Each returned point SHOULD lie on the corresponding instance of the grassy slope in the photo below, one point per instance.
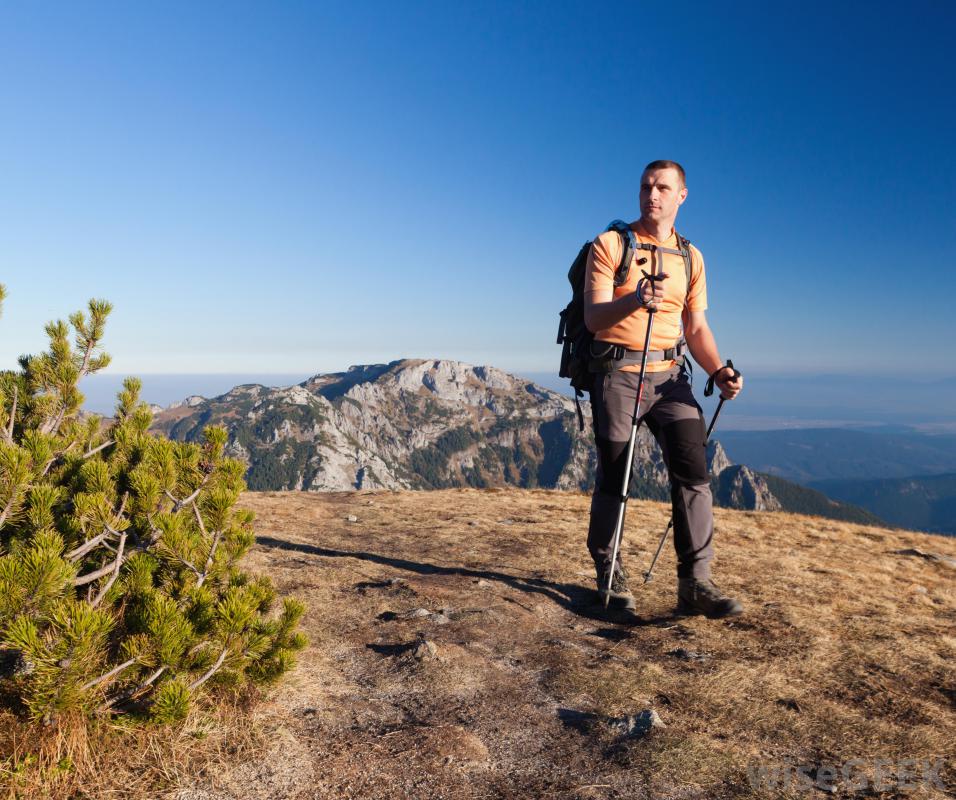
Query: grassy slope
(845, 651)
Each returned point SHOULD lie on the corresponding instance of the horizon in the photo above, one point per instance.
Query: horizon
(775, 402)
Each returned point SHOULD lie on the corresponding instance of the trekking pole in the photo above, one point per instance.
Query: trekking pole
(708, 391)
(635, 421)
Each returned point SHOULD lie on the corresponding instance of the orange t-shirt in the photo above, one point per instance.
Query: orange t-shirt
(603, 261)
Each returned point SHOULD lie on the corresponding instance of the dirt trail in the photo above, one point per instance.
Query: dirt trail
(456, 652)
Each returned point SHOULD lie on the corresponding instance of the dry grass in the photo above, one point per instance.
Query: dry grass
(845, 651)
(113, 761)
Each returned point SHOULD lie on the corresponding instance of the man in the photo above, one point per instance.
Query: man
(619, 316)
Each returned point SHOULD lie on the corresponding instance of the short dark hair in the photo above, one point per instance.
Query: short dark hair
(668, 165)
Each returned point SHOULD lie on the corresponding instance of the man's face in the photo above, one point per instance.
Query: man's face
(661, 194)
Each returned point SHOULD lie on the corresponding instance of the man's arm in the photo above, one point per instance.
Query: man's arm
(602, 312)
(703, 348)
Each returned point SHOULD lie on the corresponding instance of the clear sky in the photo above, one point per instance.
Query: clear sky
(297, 187)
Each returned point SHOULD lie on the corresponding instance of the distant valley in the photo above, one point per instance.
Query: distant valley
(902, 477)
(926, 503)
(817, 454)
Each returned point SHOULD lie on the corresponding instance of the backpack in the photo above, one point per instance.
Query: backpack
(572, 332)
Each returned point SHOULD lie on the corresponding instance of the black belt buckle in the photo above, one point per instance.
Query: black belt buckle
(618, 352)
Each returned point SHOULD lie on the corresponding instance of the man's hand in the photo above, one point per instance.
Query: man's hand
(651, 292)
(729, 381)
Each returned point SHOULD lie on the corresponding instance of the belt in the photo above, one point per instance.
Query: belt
(608, 356)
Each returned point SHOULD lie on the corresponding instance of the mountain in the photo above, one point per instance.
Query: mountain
(925, 502)
(817, 454)
(431, 424)
(410, 424)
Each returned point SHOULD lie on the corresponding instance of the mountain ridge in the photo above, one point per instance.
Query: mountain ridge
(432, 424)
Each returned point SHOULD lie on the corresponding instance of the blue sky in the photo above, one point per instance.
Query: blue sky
(297, 187)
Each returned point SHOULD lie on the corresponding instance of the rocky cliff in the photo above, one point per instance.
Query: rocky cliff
(417, 424)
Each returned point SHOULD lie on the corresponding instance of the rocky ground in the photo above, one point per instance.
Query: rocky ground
(456, 652)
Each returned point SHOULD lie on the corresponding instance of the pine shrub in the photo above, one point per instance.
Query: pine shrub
(120, 586)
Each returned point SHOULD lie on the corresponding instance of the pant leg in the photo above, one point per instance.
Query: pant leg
(677, 422)
(605, 501)
(612, 408)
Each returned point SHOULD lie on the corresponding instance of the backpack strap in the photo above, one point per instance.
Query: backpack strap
(684, 245)
(629, 246)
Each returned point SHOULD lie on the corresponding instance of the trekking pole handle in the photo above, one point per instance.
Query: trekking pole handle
(652, 277)
(709, 386)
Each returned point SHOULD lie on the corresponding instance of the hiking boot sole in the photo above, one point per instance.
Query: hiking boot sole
(618, 602)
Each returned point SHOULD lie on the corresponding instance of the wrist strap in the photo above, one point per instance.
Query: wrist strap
(709, 386)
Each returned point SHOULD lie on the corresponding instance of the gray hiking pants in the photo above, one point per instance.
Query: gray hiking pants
(677, 422)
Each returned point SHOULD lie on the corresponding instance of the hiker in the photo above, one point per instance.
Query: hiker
(618, 317)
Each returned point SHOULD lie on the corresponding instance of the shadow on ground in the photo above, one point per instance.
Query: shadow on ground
(577, 599)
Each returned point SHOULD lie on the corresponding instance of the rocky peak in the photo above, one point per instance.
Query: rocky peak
(190, 402)
(717, 458)
(428, 423)
(740, 487)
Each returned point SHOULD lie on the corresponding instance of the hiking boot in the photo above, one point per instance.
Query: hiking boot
(621, 596)
(703, 597)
